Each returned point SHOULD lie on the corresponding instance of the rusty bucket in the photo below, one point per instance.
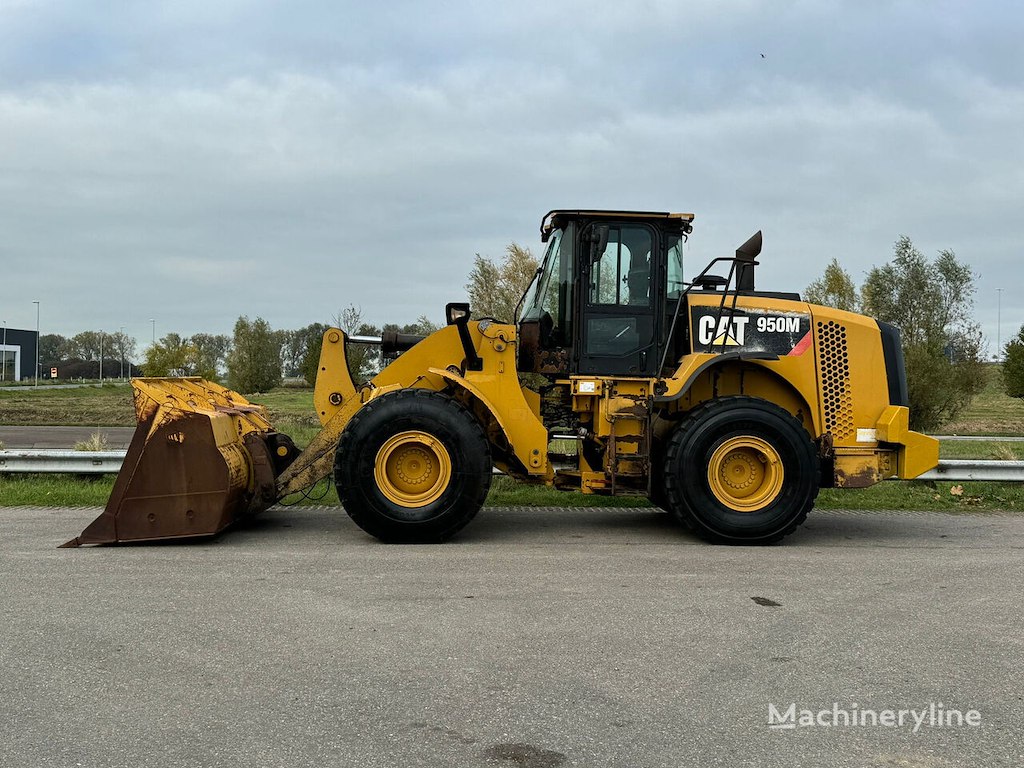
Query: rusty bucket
(202, 458)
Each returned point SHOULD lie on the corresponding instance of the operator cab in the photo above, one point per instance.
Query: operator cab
(603, 298)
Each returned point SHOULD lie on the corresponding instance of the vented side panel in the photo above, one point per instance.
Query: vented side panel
(835, 379)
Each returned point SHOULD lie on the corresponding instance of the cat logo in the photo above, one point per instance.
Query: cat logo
(729, 331)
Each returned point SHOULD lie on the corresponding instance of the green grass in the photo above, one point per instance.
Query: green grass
(106, 406)
(288, 405)
(989, 450)
(55, 490)
(930, 496)
(992, 412)
(92, 491)
(506, 492)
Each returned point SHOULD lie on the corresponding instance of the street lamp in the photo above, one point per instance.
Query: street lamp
(120, 341)
(154, 330)
(999, 323)
(37, 342)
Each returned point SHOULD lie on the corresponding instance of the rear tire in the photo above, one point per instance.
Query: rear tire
(412, 466)
(741, 470)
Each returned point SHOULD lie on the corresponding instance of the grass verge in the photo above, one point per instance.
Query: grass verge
(106, 406)
(992, 412)
(92, 491)
(55, 490)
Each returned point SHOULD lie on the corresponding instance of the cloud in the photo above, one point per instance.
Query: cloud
(197, 163)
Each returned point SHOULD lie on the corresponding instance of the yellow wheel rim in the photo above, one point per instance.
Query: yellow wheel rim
(745, 474)
(412, 469)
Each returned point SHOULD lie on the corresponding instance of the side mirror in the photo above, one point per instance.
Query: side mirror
(598, 241)
(456, 313)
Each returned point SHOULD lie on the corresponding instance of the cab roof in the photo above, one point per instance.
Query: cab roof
(673, 222)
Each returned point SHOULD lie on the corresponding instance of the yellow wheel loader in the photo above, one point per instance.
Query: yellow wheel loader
(726, 406)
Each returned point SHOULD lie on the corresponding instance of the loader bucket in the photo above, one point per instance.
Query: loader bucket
(202, 458)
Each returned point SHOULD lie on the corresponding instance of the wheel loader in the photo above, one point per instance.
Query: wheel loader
(726, 406)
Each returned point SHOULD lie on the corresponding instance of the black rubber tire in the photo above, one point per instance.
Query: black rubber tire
(444, 419)
(692, 446)
(659, 494)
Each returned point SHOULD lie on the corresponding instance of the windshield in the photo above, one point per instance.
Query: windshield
(549, 298)
(542, 295)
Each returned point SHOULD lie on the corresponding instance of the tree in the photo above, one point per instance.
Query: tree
(122, 348)
(81, 354)
(254, 363)
(173, 355)
(931, 304)
(495, 289)
(423, 326)
(364, 361)
(1013, 365)
(834, 289)
(304, 350)
(176, 355)
(85, 346)
(211, 353)
(53, 348)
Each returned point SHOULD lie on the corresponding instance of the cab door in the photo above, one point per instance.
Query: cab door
(618, 308)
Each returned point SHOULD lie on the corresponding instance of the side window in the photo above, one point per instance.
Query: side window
(622, 274)
(675, 266)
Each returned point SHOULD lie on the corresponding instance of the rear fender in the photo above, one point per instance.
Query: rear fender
(702, 377)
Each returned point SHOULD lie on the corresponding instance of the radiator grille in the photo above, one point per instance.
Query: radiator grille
(835, 379)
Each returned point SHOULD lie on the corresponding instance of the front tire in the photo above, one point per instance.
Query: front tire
(412, 466)
(741, 470)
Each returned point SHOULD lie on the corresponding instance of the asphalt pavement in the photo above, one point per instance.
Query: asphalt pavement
(538, 638)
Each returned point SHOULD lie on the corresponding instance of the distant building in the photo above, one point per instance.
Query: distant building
(17, 354)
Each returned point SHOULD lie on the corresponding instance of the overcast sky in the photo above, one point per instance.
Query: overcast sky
(195, 161)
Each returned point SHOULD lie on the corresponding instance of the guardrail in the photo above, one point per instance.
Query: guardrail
(969, 469)
(72, 462)
(981, 438)
(109, 462)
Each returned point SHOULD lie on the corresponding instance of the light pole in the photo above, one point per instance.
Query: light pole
(153, 321)
(999, 323)
(101, 358)
(120, 341)
(3, 377)
(37, 342)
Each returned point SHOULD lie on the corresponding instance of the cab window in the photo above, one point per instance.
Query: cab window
(675, 283)
(622, 273)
